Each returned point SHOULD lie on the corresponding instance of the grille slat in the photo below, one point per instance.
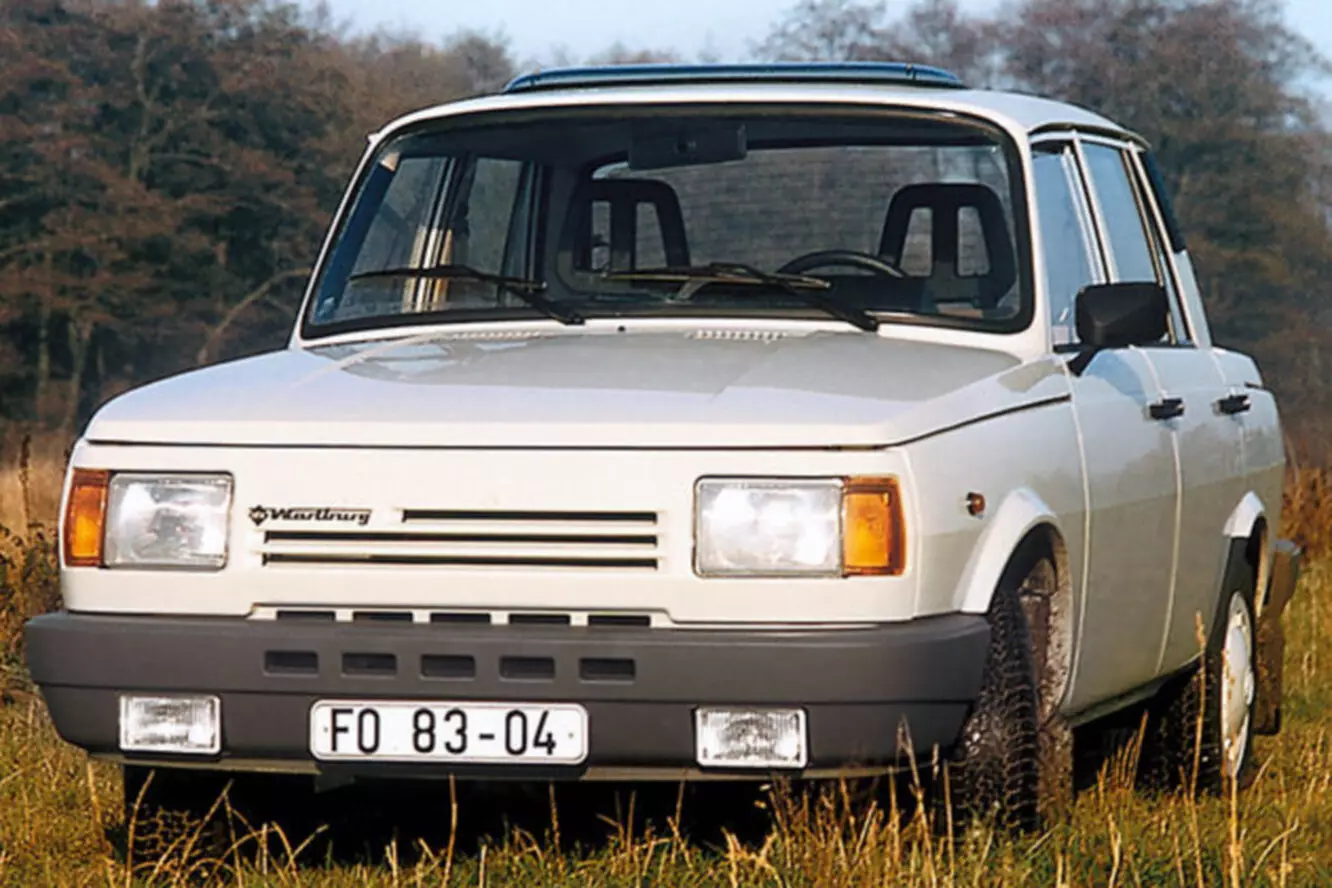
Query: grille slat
(406, 560)
(452, 516)
(575, 539)
(446, 538)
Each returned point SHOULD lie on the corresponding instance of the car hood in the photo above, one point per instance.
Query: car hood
(696, 388)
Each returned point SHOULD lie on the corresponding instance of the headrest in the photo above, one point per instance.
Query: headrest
(946, 200)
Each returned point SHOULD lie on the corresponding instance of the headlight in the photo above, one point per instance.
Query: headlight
(810, 527)
(167, 521)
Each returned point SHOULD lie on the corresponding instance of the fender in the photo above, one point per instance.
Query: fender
(1245, 516)
(1020, 512)
(1240, 526)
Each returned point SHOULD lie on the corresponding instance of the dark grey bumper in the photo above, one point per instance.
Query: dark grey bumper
(640, 686)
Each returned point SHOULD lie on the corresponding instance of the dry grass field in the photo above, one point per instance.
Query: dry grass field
(61, 823)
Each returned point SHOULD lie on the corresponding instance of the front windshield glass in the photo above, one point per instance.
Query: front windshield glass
(776, 213)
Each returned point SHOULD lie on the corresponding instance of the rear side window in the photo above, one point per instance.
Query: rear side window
(1134, 240)
(1122, 215)
(1064, 234)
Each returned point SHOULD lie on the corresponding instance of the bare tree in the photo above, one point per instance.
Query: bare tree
(826, 30)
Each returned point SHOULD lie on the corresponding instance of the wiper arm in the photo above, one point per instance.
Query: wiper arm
(714, 272)
(529, 291)
(806, 288)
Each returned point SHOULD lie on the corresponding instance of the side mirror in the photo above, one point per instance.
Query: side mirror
(1117, 316)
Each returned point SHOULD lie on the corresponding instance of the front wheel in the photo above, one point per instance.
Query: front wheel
(171, 811)
(1012, 761)
(199, 813)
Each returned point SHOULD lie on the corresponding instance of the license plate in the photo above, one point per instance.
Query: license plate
(431, 731)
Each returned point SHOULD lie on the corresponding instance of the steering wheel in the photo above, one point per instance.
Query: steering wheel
(843, 259)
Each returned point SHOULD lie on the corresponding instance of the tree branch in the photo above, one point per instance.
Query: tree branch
(255, 295)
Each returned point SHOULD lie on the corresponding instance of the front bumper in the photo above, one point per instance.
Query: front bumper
(859, 687)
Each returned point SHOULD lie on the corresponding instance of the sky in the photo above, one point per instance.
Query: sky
(538, 29)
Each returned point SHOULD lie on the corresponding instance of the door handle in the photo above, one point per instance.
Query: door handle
(1167, 408)
(1233, 404)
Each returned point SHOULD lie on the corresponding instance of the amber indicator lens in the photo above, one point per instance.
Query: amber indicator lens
(85, 518)
(872, 537)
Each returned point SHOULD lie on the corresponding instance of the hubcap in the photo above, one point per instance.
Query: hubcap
(1238, 686)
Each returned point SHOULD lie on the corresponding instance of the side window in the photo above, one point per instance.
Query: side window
(1122, 214)
(478, 233)
(1134, 243)
(1064, 233)
(397, 234)
(1162, 238)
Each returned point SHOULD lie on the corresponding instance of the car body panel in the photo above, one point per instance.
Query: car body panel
(792, 386)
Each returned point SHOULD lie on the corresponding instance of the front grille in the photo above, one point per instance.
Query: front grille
(477, 539)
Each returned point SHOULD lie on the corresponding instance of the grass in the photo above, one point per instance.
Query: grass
(61, 823)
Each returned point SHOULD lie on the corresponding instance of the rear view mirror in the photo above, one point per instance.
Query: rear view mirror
(1117, 316)
(686, 145)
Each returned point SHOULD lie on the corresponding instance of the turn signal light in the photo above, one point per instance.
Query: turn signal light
(85, 518)
(873, 539)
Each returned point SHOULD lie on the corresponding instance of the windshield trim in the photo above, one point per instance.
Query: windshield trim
(309, 332)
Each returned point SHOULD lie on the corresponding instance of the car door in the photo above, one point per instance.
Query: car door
(1208, 449)
(1128, 457)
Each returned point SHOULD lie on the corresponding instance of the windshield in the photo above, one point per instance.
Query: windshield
(777, 213)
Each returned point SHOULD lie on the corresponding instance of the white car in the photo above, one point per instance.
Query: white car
(670, 422)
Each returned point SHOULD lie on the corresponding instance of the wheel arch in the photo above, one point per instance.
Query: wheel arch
(1021, 518)
(1023, 529)
(1248, 537)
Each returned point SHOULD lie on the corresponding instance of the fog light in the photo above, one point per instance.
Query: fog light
(751, 738)
(171, 724)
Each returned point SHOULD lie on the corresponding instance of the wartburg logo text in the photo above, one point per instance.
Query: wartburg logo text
(260, 514)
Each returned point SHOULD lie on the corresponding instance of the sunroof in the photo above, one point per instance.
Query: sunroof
(897, 73)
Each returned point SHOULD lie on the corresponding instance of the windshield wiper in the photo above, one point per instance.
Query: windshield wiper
(529, 291)
(808, 289)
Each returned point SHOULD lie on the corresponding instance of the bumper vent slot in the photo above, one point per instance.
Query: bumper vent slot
(572, 540)
(382, 617)
(448, 666)
(619, 621)
(539, 619)
(291, 663)
(461, 618)
(308, 616)
(369, 664)
(596, 669)
(527, 668)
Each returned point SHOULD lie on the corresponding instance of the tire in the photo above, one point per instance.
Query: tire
(1012, 761)
(1200, 726)
(173, 811)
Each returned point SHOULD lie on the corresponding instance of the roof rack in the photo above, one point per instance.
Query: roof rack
(896, 73)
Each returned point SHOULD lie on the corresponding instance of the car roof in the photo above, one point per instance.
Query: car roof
(869, 83)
